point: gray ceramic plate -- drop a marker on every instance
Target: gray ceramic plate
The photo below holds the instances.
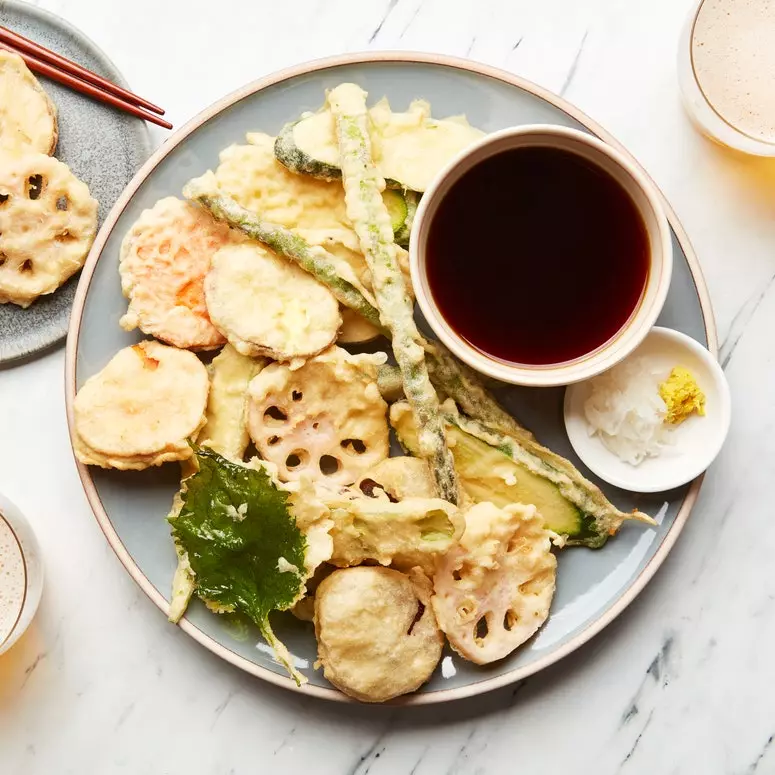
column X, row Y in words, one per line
column 593, row 586
column 101, row 145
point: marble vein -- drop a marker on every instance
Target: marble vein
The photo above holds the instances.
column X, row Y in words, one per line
column 221, row 707
column 656, row 675
column 284, row 742
column 28, row 671
column 410, row 22
column 366, row 759
column 755, row 765
column 125, row 714
column 462, row 753
column 391, row 5
column 740, row 323
column 638, row 739
column 420, row 760
column 574, row 65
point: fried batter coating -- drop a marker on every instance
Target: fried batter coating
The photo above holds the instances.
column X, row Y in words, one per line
column 164, row 259
column 493, row 591
column 141, row 409
column 377, row 634
column 265, row 305
column 325, row 420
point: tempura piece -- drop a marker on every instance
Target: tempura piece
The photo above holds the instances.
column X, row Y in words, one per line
column 253, row 176
column 164, row 259
column 28, row 118
column 407, row 533
column 398, row 478
column 493, row 591
column 325, row 420
column 363, row 186
column 141, row 409
column 244, row 543
column 265, row 305
column 377, row 635
column 48, row 220
column 226, row 429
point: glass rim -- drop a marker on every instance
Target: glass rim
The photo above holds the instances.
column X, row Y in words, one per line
column 754, row 138
column 5, row 640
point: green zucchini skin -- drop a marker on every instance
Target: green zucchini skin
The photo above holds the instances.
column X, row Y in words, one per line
column 412, row 199
column 494, row 471
column 484, row 470
column 397, row 208
column 294, row 159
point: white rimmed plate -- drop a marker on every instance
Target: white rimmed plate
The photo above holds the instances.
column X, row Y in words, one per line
column 593, row 586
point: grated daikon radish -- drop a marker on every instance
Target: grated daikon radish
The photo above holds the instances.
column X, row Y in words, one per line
column 625, row 410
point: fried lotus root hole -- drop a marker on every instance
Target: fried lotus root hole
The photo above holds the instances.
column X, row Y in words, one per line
column 376, row 631
column 398, row 478
column 164, row 259
column 265, row 305
column 493, row 591
column 141, row 409
column 325, row 420
column 48, row 221
column 28, row 118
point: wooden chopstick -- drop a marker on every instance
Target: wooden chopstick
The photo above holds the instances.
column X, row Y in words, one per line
column 38, row 66
column 26, row 46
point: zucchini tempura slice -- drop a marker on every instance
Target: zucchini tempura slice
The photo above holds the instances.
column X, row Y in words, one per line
column 141, row 409
column 377, row 634
column 226, row 429
column 164, row 259
column 493, row 591
column 325, row 420
column 410, row 533
column 265, row 305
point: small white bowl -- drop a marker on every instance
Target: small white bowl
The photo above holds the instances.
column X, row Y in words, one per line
column 646, row 199
column 694, row 443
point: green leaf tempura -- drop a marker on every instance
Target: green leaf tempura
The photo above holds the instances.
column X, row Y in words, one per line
column 237, row 529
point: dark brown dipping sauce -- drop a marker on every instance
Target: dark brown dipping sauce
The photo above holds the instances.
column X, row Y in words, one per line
column 535, row 256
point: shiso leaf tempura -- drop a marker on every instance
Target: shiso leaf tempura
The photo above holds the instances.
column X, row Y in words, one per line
column 236, row 528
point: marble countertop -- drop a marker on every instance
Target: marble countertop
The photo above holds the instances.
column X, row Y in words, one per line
column 680, row 683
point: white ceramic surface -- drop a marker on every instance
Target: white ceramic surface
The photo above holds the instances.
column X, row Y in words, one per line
column 101, row 685
column 693, row 445
column 645, row 198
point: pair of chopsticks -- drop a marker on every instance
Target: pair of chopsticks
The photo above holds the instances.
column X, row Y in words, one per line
column 41, row 60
